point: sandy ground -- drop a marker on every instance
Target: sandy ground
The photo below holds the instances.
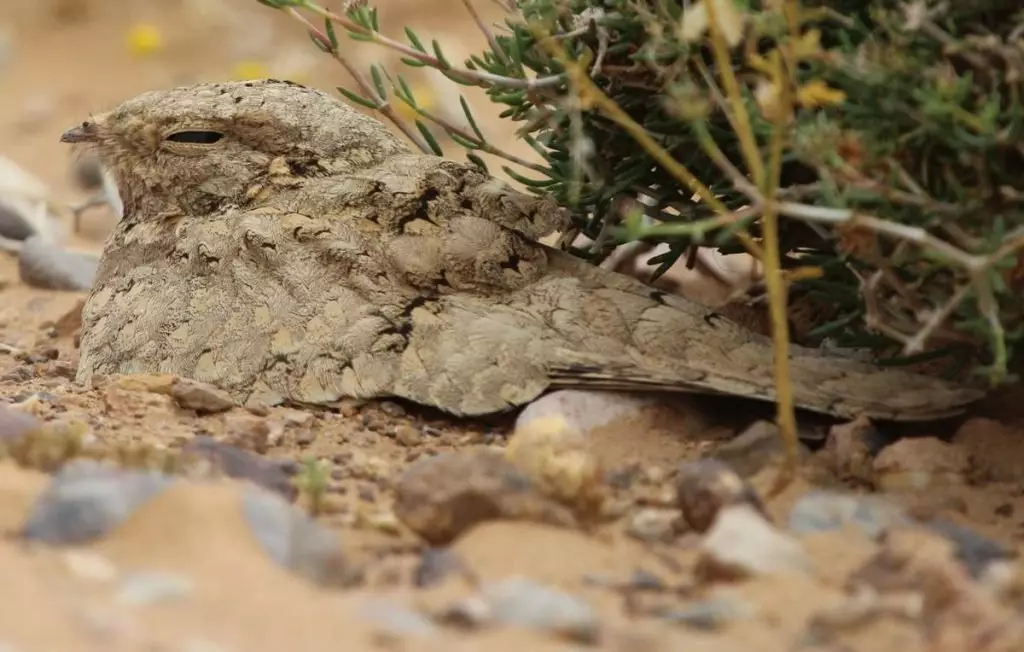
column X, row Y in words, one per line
column 598, row 508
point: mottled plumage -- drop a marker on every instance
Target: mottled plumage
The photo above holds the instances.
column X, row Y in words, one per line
column 308, row 255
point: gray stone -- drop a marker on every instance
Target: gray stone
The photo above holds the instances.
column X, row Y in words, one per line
column 241, row 464
column 295, row 541
column 821, row 511
column 755, row 448
column 397, row 620
column 435, row 565
column 13, row 226
column 522, row 602
column 709, row 615
column 973, row 550
column 86, row 499
column 149, row 587
column 15, row 424
column 46, row 265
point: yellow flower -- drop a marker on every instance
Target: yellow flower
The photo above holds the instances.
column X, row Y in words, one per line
column 425, row 98
column 250, row 69
column 818, row 93
column 144, row 39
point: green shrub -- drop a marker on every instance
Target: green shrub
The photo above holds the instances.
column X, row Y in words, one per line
column 887, row 135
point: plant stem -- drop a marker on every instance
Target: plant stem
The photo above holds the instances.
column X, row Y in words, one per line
column 482, row 145
column 381, row 103
column 738, row 108
column 778, row 288
column 495, row 48
column 475, row 77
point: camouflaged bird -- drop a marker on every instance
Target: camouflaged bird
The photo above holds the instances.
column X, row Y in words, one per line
column 287, row 248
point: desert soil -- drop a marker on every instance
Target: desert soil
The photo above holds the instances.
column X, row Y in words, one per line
column 589, row 520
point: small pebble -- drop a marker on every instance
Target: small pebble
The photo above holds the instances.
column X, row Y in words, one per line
column 850, row 448
column 705, row 486
column 408, row 436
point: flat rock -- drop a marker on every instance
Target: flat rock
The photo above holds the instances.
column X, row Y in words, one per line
column 204, row 398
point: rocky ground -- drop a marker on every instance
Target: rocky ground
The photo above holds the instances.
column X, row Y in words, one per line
column 148, row 513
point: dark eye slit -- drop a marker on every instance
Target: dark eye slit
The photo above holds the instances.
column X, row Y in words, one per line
column 198, row 137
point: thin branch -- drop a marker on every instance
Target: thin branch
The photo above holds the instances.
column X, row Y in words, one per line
column 718, row 157
column 474, row 77
column 989, row 308
column 850, row 217
column 491, row 41
column 916, row 343
column 738, row 108
column 481, row 145
column 380, row 103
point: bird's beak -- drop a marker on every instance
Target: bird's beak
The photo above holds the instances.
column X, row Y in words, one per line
column 83, row 133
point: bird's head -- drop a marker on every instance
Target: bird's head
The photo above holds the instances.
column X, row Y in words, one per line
column 194, row 149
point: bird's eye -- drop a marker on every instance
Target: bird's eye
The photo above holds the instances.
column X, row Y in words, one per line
column 196, row 137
